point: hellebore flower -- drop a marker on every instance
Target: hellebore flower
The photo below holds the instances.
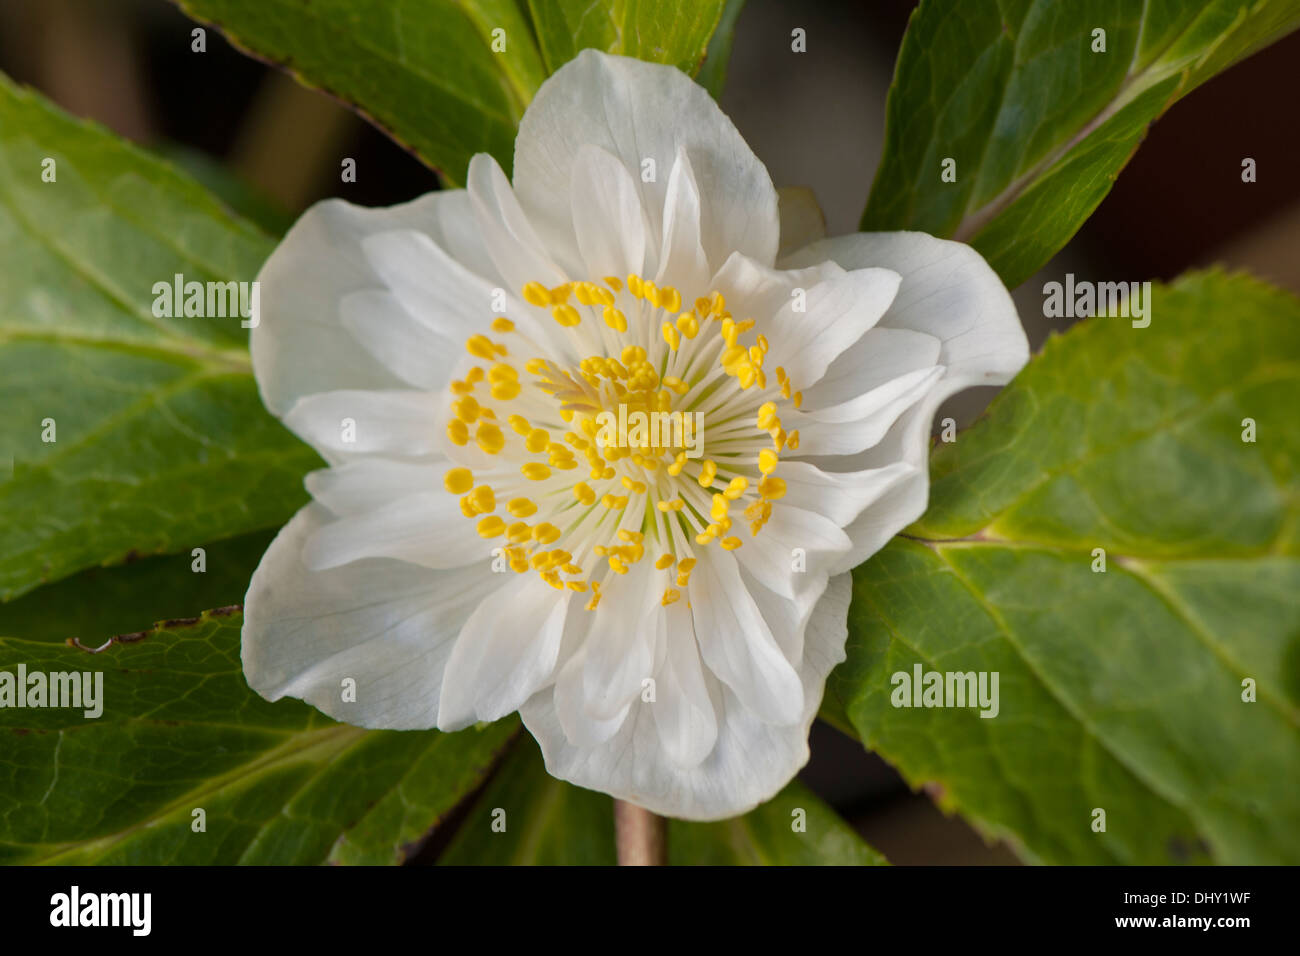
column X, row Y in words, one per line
column 661, row 606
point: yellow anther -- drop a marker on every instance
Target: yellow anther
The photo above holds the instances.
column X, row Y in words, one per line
column 730, row 544
column 521, row 507
column 756, row 356
column 489, row 437
column 458, row 480
column 582, row 491
column 461, row 388
column 585, row 293
column 767, row 461
column 736, row 488
column 484, row 498
column 688, row 324
column 537, row 294
column 566, row 315
column 719, row 509
column 615, row 319
column 546, row 533
column 505, row 391
column 614, row 502
column 475, row 375
column 708, row 471
column 676, row 384
column 717, row 304
column 480, row 346
column 457, row 432
column 491, row 527
column 792, row 439
column 614, row 283
column 501, row 372
column 519, row 424
column 561, row 292
column 634, row 284
column 664, row 561
column 519, row 532
column 537, row 440
column 535, row 471
column 467, row 507
column 771, row 488
column 502, row 324
column 650, row 292
column 576, row 585
column 467, row 409
column 670, row 596
column 798, row 399
column 762, row 343
column 767, row 415
column 671, row 336
column 670, row 300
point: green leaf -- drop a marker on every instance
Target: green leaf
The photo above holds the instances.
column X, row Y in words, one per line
column 766, row 836
column 713, row 73
column 548, row 822
column 96, row 604
column 1120, row 690
column 663, row 31
column 424, row 71
column 161, row 441
column 180, row 731
column 1039, row 125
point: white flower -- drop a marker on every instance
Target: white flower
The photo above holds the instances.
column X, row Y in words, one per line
column 664, row 624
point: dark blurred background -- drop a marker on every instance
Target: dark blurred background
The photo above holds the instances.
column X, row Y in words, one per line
column 816, row 119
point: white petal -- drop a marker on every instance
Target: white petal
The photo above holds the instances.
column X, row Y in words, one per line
column 581, row 727
column 507, row 649
column 427, row 528
column 387, row 625
column 948, row 292
column 370, row 483
column 683, row 712
column 399, row 424
column 509, row 236
column 876, row 358
column 443, row 295
column 682, row 262
column 300, row 345
column 769, row 557
column 854, row 425
column 841, row 497
column 401, row 343
column 737, row 644
column 811, row 329
column 639, row 111
column 620, row 643
column 607, row 216
column 750, row 761
column 756, row 291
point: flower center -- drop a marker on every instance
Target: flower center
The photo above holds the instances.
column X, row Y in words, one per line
column 644, row 392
